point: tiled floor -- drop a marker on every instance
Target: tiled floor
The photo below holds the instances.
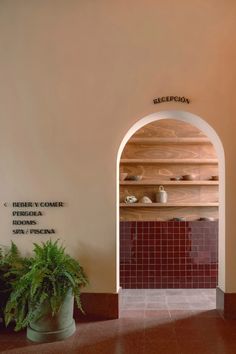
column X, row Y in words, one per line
column 151, row 322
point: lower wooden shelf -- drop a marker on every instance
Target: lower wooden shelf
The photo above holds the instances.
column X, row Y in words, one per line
column 166, row 205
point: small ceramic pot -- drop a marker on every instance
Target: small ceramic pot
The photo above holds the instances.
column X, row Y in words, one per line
column 161, row 196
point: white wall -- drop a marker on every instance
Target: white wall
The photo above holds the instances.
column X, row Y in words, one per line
column 74, row 77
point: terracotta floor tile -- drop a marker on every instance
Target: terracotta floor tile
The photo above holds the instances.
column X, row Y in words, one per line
column 180, row 314
column 190, row 292
column 208, row 291
column 197, row 298
column 161, row 347
column 202, row 306
column 159, row 314
column 132, row 313
column 206, row 313
column 156, row 306
column 134, row 305
column 131, row 299
column 179, row 306
column 174, row 292
column 155, row 298
column 226, row 346
column 176, row 299
column 196, row 347
column 106, row 347
column 187, row 332
column 152, row 292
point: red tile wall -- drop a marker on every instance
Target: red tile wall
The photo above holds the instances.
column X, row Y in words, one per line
column 167, row 254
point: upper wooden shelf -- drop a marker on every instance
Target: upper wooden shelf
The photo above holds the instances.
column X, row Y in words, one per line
column 160, row 141
column 164, row 205
column 169, row 183
column 170, row 161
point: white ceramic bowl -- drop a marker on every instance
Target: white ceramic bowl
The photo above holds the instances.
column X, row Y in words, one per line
column 189, row 177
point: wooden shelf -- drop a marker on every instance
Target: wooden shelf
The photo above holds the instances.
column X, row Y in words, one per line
column 165, row 205
column 170, row 161
column 161, row 141
column 169, row 183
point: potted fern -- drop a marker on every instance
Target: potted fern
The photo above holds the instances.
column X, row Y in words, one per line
column 42, row 298
column 12, row 266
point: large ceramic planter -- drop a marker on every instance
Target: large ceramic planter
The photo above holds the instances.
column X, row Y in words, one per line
column 50, row 328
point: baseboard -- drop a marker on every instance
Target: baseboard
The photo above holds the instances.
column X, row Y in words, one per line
column 226, row 304
column 98, row 306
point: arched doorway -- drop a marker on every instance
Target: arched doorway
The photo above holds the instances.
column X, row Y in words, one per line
column 211, row 134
